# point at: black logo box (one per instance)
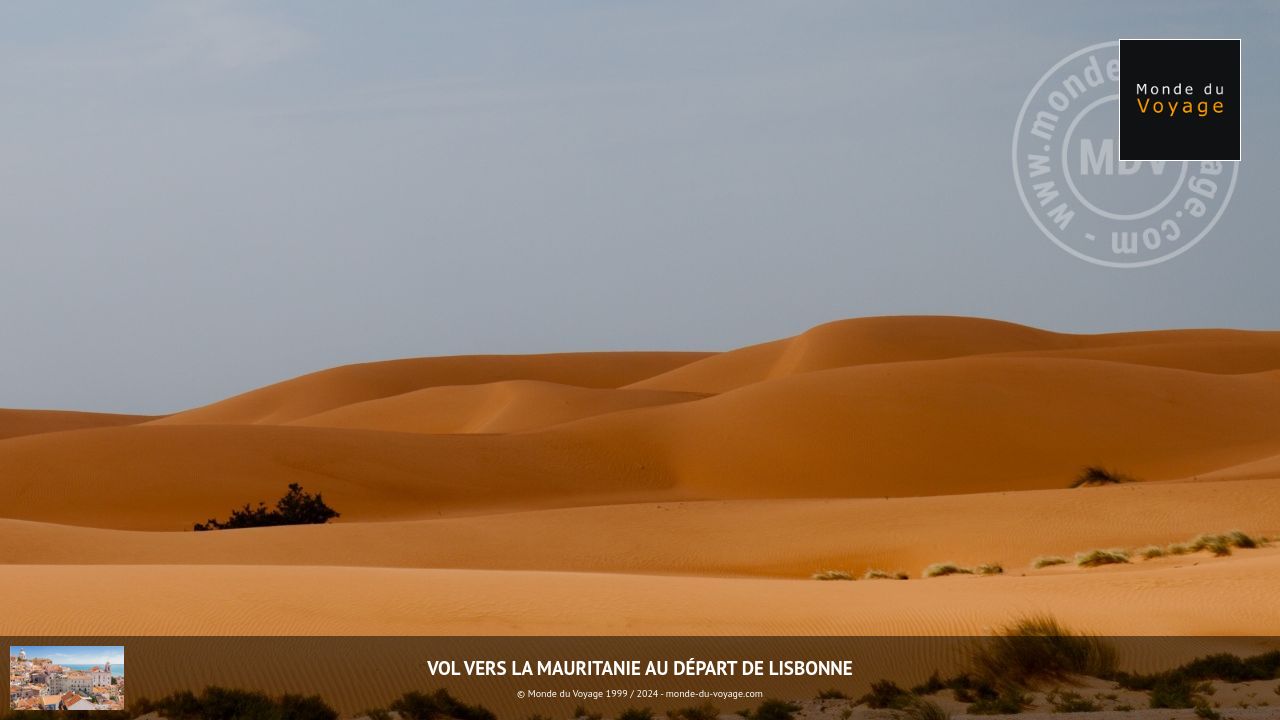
(1186, 66)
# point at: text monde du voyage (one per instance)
(1179, 99)
(691, 667)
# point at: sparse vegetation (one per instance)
(1040, 648)
(875, 574)
(1045, 561)
(1065, 701)
(705, 711)
(832, 575)
(775, 710)
(926, 710)
(218, 703)
(1095, 475)
(1009, 702)
(989, 569)
(1097, 558)
(946, 568)
(439, 704)
(886, 694)
(1207, 713)
(636, 714)
(832, 694)
(1151, 552)
(295, 508)
(1219, 545)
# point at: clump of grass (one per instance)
(832, 575)
(1151, 552)
(926, 710)
(1219, 545)
(775, 710)
(943, 569)
(1178, 549)
(989, 569)
(1097, 558)
(1040, 648)
(1009, 702)
(832, 694)
(1242, 540)
(1065, 701)
(876, 574)
(1045, 561)
(885, 694)
(1095, 475)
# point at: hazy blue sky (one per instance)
(203, 197)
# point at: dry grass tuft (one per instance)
(1097, 558)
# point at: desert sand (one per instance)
(675, 493)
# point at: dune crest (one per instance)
(328, 389)
(18, 423)
(501, 407)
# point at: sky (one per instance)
(74, 654)
(200, 198)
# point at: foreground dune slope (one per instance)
(502, 407)
(17, 423)
(328, 389)
(275, 600)
(944, 427)
(766, 538)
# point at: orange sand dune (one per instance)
(962, 425)
(165, 477)
(328, 389)
(943, 427)
(16, 423)
(652, 493)
(864, 341)
(723, 538)
(502, 407)
(1259, 353)
(1235, 596)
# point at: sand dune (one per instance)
(17, 423)
(945, 427)
(720, 538)
(648, 493)
(502, 407)
(865, 341)
(275, 600)
(966, 425)
(328, 389)
(157, 477)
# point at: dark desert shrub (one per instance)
(1095, 475)
(706, 711)
(832, 694)
(1009, 702)
(775, 710)
(438, 705)
(886, 694)
(295, 508)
